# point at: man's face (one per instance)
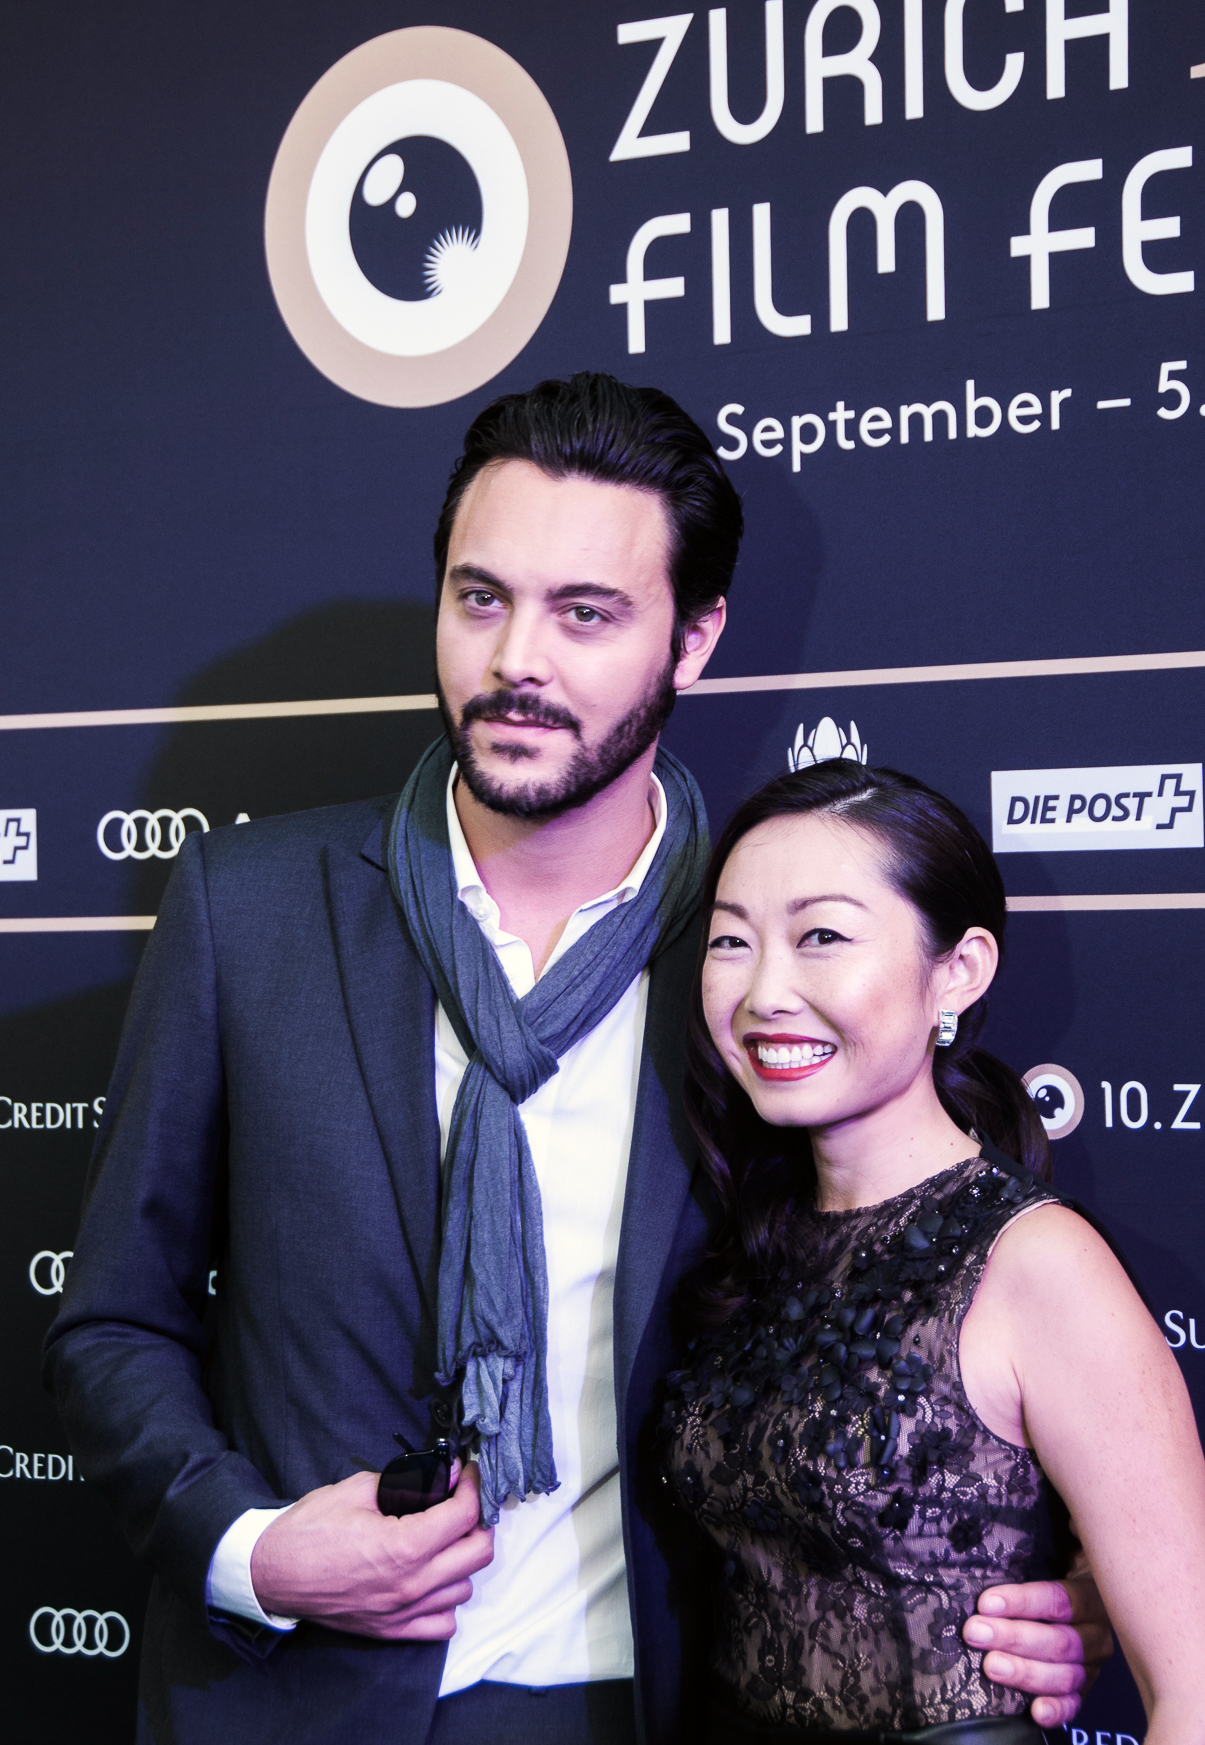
(554, 637)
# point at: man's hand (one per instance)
(1049, 1638)
(335, 1558)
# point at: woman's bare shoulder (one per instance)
(1051, 1261)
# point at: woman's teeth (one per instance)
(794, 1053)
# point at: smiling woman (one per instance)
(892, 904)
(896, 1366)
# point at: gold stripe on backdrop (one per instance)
(219, 712)
(1071, 666)
(1124, 900)
(1074, 665)
(1000, 669)
(76, 923)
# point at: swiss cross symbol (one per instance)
(18, 843)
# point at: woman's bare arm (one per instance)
(1059, 1353)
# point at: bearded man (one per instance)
(407, 1074)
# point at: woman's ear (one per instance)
(967, 973)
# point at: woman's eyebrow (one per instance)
(795, 907)
(801, 903)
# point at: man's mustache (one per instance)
(503, 705)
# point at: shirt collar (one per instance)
(482, 906)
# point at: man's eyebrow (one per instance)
(471, 572)
(588, 591)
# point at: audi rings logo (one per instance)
(1059, 1096)
(146, 828)
(418, 216)
(88, 1633)
(48, 1271)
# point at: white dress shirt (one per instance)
(552, 1607)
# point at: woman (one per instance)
(903, 1337)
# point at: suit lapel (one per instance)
(662, 1159)
(391, 1012)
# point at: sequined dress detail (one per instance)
(824, 1443)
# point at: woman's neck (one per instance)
(885, 1151)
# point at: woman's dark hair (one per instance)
(762, 1175)
(595, 427)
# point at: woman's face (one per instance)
(817, 985)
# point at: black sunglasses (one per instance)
(417, 1479)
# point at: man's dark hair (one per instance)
(595, 427)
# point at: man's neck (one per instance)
(539, 871)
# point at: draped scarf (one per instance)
(492, 1295)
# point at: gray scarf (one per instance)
(492, 1310)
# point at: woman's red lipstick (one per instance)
(781, 1057)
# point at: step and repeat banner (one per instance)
(928, 272)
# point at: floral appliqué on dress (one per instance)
(823, 1441)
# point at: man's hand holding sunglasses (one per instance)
(336, 1558)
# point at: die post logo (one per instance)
(1138, 805)
(418, 216)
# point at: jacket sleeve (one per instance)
(126, 1352)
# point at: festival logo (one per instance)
(1059, 1097)
(418, 216)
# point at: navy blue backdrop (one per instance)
(1000, 582)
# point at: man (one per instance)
(407, 1074)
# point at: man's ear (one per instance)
(698, 643)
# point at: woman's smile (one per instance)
(783, 1056)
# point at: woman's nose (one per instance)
(775, 987)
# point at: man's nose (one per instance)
(520, 656)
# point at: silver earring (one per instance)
(947, 1028)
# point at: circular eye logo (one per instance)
(418, 216)
(1059, 1097)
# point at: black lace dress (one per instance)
(823, 1441)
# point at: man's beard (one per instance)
(590, 769)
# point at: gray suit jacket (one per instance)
(272, 1115)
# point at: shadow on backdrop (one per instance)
(770, 609)
(346, 649)
(783, 556)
